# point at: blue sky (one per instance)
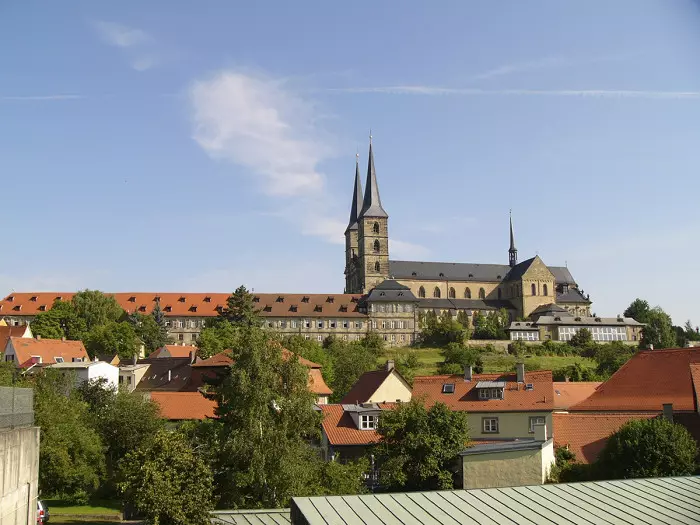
(180, 146)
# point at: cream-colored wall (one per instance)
(459, 286)
(510, 424)
(507, 469)
(391, 390)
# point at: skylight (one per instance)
(448, 388)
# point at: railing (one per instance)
(16, 407)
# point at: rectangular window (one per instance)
(393, 338)
(10, 357)
(307, 337)
(319, 338)
(283, 324)
(270, 324)
(293, 323)
(368, 422)
(535, 420)
(524, 336)
(58, 359)
(128, 380)
(402, 338)
(121, 379)
(307, 324)
(374, 325)
(180, 323)
(332, 323)
(346, 324)
(167, 323)
(392, 324)
(319, 324)
(193, 336)
(490, 393)
(181, 337)
(358, 324)
(384, 325)
(490, 425)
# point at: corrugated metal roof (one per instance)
(251, 517)
(649, 501)
(491, 384)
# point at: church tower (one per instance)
(352, 274)
(512, 251)
(373, 232)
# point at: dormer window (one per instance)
(597, 320)
(219, 308)
(382, 294)
(343, 308)
(42, 308)
(168, 308)
(330, 299)
(132, 299)
(353, 300)
(279, 299)
(156, 299)
(256, 299)
(142, 308)
(441, 274)
(293, 308)
(491, 389)
(305, 299)
(207, 299)
(33, 298)
(318, 308)
(193, 308)
(17, 308)
(182, 299)
(58, 359)
(400, 294)
(59, 298)
(471, 275)
(11, 298)
(448, 388)
(267, 308)
(368, 422)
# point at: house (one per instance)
(509, 463)
(498, 406)
(173, 351)
(165, 374)
(13, 331)
(569, 393)
(651, 384)
(181, 406)
(347, 430)
(27, 352)
(379, 386)
(131, 375)
(90, 370)
(112, 359)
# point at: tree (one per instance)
(71, 460)
(582, 338)
(658, 331)
(338, 478)
(267, 415)
(442, 330)
(165, 481)
(60, 321)
(407, 364)
(574, 372)
(611, 357)
(419, 446)
(492, 325)
(456, 357)
(96, 308)
(638, 310)
(350, 361)
(311, 350)
(649, 448)
(153, 335)
(111, 338)
(240, 309)
(216, 338)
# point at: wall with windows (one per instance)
(506, 425)
(445, 289)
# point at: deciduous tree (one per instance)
(96, 308)
(111, 338)
(638, 310)
(658, 331)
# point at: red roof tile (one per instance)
(695, 376)
(173, 351)
(220, 359)
(341, 430)
(317, 384)
(586, 434)
(646, 382)
(177, 406)
(198, 304)
(365, 386)
(568, 393)
(465, 397)
(10, 331)
(48, 349)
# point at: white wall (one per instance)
(105, 370)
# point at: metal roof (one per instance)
(506, 446)
(491, 384)
(248, 517)
(668, 501)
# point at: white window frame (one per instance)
(58, 359)
(319, 338)
(332, 323)
(490, 393)
(368, 422)
(534, 420)
(319, 324)
(489, 425)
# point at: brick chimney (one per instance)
(520, 372)
(468, 373)
(668, 412)
(389, 365)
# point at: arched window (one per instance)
(375, 228)
(452, 293)
(499, 293)
(544, 289)
(376, 246)
(482, 293)
(436, 293)
(377, 267)
(534, 289)
(467, 293)
(421, 292)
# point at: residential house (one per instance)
(379, 386)
(173, 351)
(27, 352)
(130, 375)
(90, 370)
(569, 393)
(659, 383)
(347, 430)
(498, 406)
(13, 331)
(509, 463)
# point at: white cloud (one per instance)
(407, 250)
(138, 45)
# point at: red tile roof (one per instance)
(365, 386)
(465, 397)
(198, 304)
(586, 434)
(317, 384)
(341, 430)
(173, 351)
(568, 393)
(48, 349)
(646, 382)
(10, 331)
(695, 376)
(218, 360)
(177, 406)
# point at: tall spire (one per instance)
(512, 251)
(372, 204)
(356, 206)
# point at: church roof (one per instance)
(550, 309)
(356, 206)
(372, 204)
(442, 271)
(572, 295)
(463, 304)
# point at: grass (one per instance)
(99, 511)
(429, 358)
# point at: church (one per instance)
(523, 288)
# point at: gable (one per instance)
(537, 271)
(393, 388)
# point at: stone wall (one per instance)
(19, 475)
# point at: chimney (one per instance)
(520, 372)
(389, 365)
(192, 356)
(170, 375)
(38, 337)
(468, 373)
(134, 358)
(668, 412)
(540, 432)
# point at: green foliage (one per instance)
(216, 338)
(419, 446)
(96, 308)
(582, 338)
(350, 361)
(373, 342)
(407, 364)
(442, 330)
(492, 325)
(649, 448)
(152, 335)
(337, 479)
(311, 350)
(461, 356)
(658, 330)
(60, 321)
(575, 372)
(165, 481)
(71, 460)
(611, 357)
(240, 309)
(113, 337)
(638, 310)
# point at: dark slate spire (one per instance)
(356, 207)
(372, 204)
(512, 252)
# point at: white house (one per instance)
(89, 370)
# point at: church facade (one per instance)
(519, 287)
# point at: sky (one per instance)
(194, 147)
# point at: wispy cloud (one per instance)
(138, 45)
(29, 98)
(508, 69)
(260, 123)
(582, 93)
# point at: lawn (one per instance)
(97, 512)
(429, 359)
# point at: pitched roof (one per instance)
(340, 429)
(10, 331)
(572, 295)
(647, 381)
(197, 304)
(317, 384)
(356, 205)
(465, 397)
(48, 349)
(365, 386)
(220, 359)
(569, 393)
(177, 406)
(372, 204)
(172, 351)
(390, 290)
(586, 434)
(166, 373)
